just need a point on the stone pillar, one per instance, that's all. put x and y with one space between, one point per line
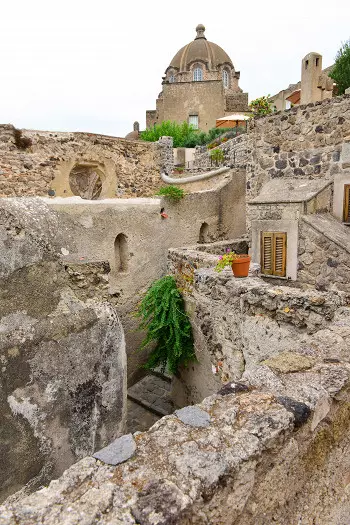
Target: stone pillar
165 145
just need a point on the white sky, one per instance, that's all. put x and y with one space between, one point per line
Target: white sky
87 65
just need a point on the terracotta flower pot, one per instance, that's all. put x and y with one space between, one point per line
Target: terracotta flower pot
240 266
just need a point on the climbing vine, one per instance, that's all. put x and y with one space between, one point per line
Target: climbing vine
163 316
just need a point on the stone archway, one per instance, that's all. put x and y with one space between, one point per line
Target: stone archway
86 180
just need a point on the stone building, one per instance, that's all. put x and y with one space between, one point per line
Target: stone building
199 86
315 85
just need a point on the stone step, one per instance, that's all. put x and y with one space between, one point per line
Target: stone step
153 393
163 375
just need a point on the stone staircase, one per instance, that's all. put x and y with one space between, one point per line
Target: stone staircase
149 400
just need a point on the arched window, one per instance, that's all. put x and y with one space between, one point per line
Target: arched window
197 74
225 78
172 79
121 253
204 233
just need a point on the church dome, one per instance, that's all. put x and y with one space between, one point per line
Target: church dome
200 49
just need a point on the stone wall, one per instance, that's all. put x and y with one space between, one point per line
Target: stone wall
95 226
305 141
236 153
63 360
240 323
324 254
181 99
33 162
166 155
236 103
273 448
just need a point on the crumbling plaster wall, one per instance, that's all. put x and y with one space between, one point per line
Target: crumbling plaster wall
94 227
63 361
130 168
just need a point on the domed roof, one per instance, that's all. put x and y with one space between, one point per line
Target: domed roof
200 49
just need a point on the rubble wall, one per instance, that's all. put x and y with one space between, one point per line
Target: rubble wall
33 162
240 323
95 226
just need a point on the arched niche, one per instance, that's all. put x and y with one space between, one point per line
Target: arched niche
204 233
121 253
86 180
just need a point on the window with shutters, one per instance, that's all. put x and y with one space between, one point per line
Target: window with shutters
346 213
273 253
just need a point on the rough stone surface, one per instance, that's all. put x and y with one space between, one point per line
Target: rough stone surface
193 416
126 168
241 323
324 253
236 153
118 451
258 462
289 362
63 361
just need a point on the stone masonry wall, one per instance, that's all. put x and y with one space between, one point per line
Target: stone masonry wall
304 141
32 162
236 153
324 254
62 352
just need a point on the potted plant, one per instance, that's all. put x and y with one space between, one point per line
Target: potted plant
239 263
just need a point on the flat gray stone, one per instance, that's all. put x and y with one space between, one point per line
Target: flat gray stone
193 416
118 451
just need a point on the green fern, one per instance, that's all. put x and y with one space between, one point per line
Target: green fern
163 316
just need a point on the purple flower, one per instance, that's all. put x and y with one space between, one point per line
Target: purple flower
220 258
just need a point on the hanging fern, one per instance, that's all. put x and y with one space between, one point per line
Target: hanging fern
163 316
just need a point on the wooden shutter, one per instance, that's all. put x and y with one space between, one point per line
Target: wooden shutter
267 253
279 246
273 253
346 214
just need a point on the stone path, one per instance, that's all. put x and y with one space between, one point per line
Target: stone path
148 401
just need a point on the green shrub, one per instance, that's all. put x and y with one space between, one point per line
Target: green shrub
163 316
171 192
184 135
217 156
261 106
341 70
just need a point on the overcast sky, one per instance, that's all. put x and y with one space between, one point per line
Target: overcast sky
87 65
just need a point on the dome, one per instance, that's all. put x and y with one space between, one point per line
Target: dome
202 50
